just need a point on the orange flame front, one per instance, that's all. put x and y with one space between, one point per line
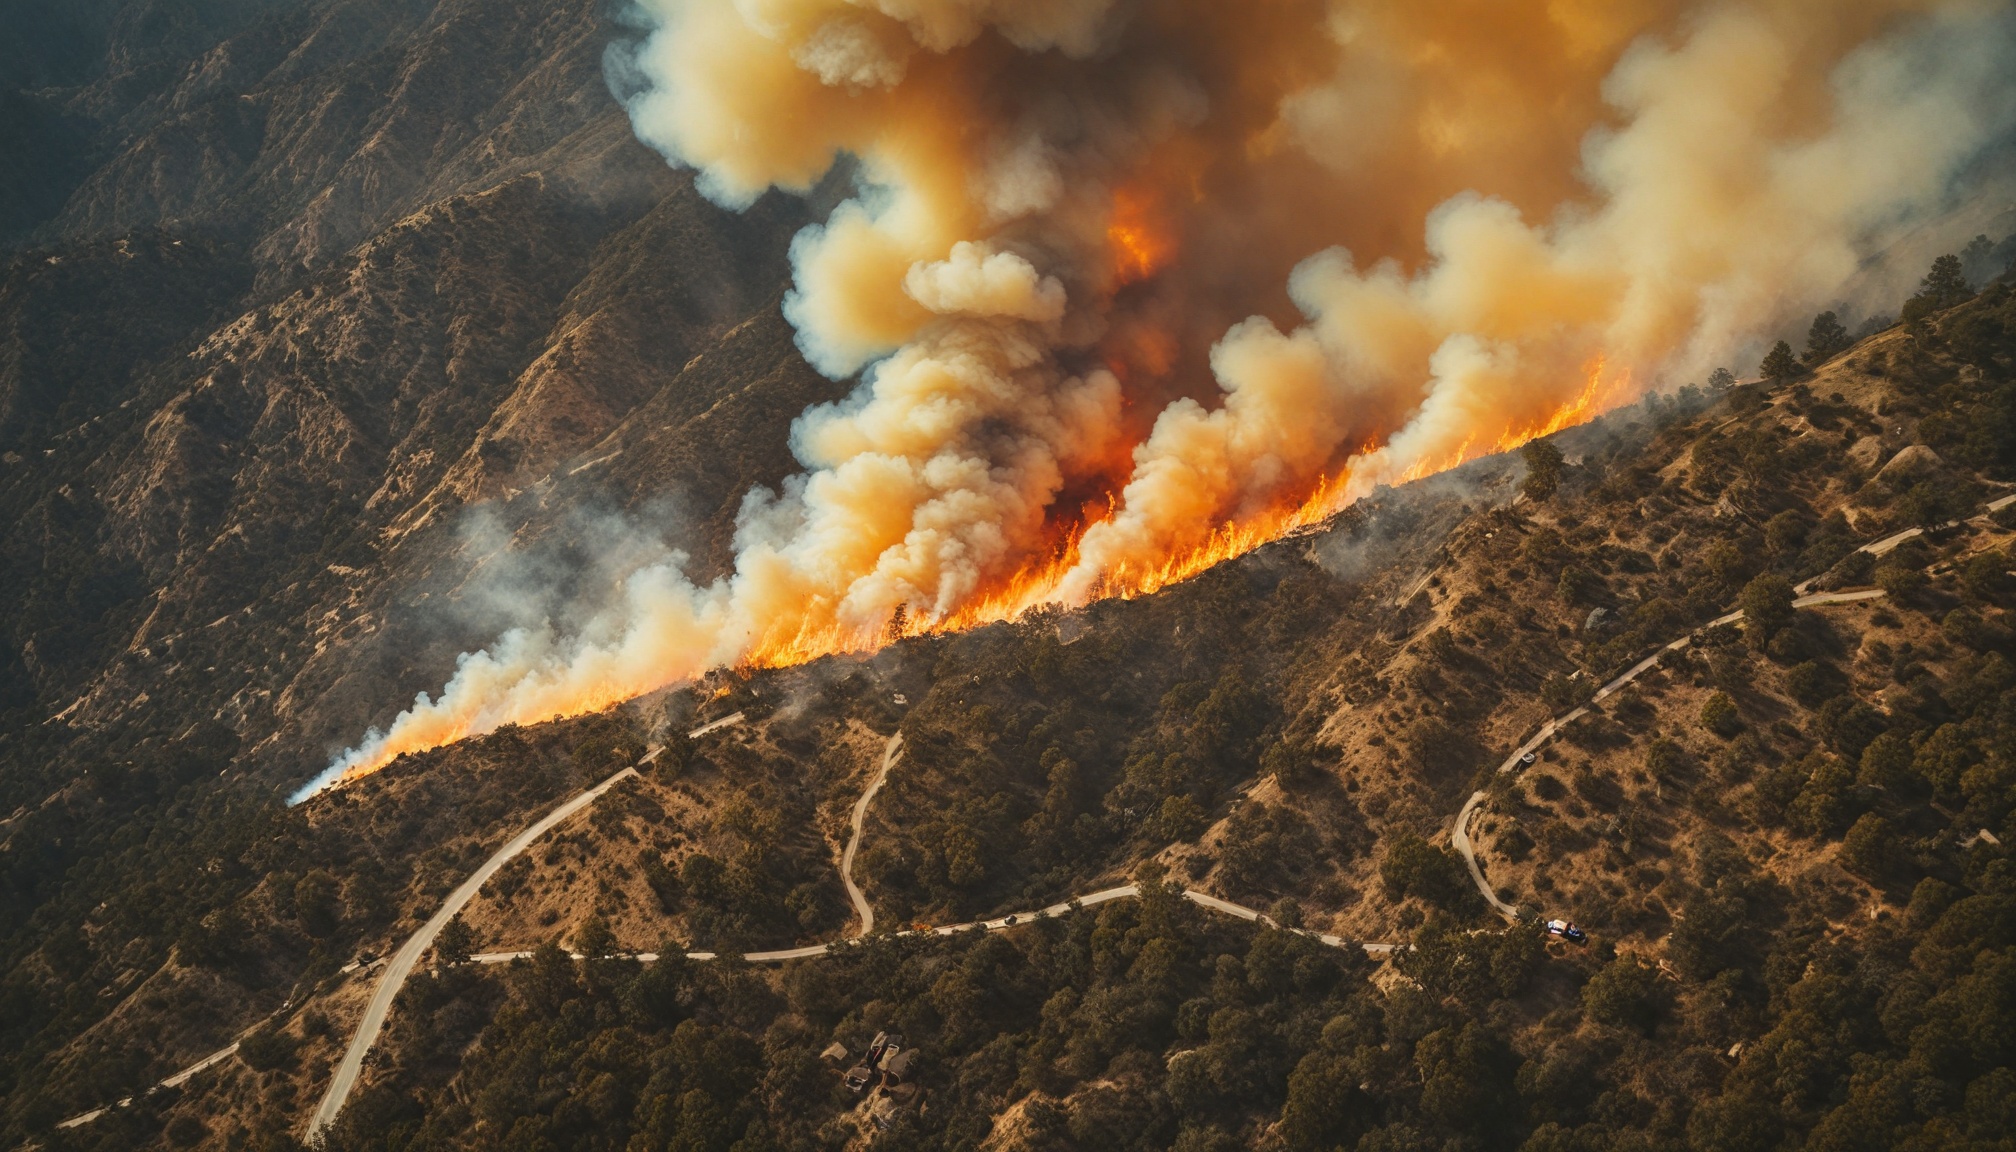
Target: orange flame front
1141 247
813 634
1036 586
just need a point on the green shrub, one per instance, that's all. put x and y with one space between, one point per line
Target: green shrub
1543 471
266 1049
1823 805
1767 608
1179 819
1986 577
1886 763
1811 683
1562 694
1870 848
1435 875
453 943
1623 994
1664 760
1719 715
1578 585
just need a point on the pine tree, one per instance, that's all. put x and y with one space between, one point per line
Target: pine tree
1780 365
453 944
1945 286
1825 340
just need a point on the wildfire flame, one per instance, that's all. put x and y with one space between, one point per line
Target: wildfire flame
813 635
1062 205
1037 586
1141 247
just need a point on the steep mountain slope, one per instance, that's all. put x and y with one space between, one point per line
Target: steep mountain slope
1293 731
330 273
322 303
1787 839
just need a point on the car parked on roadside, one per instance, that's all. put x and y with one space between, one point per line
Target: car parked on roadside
1566 931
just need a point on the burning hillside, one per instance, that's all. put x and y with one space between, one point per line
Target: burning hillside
1058 283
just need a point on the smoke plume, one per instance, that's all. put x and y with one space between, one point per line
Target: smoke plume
1061 282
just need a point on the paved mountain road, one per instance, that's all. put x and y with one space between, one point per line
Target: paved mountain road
174 1081
403 961
1889 544
999 923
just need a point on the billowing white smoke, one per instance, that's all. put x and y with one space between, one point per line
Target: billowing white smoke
1701 233
1057 196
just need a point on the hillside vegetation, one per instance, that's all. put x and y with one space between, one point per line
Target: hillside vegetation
1785 839
323 301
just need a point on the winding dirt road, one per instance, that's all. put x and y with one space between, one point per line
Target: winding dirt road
404 960
1459 835
862 910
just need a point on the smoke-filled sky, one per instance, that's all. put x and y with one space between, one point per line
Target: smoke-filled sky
1130 285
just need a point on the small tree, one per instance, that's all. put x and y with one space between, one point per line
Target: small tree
1886 763
1900 583
1719 715
1290 761
1623 994
1721 379
1414 867
1946 283
676 756
1986 577
1870 847
1543 471
1562 694
1664 759
595 940
1179 819
1286 912
1943 287
1977 261
1767 607
1826 339
1810 683
453 944
1780 365
1822 806
1786 532
1578 585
